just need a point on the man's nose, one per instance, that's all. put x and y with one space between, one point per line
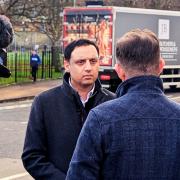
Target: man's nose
88 65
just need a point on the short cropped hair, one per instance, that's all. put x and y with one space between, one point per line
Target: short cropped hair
138 50
77 43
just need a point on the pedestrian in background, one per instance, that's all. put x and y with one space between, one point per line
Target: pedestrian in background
137 135
35 61
57 115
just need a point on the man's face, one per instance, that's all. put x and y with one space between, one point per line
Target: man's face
83 66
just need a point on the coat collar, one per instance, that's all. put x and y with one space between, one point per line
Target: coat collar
140 84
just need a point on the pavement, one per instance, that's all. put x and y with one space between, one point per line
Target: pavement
29 90
26 90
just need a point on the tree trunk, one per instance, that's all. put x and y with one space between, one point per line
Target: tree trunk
56 61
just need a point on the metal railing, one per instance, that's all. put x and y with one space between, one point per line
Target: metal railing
19 65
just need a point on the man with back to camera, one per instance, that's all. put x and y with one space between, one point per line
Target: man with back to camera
57 115
137 135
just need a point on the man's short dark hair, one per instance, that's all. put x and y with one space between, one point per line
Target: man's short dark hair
138 50
77 43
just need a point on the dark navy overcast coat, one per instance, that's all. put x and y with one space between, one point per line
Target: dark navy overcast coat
55 122
134 137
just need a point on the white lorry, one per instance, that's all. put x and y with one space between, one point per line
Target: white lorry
105 25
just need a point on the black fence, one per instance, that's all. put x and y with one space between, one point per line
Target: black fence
19 65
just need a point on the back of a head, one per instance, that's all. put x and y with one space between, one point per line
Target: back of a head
77 43
138 51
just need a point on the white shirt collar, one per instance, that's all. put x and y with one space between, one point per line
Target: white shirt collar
88 95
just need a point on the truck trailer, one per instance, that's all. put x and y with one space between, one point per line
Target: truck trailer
105 25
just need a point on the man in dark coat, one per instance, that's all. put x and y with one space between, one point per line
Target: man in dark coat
137 135
57 115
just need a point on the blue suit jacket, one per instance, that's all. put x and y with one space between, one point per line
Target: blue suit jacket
136 136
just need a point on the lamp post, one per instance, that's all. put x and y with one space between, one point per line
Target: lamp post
74 3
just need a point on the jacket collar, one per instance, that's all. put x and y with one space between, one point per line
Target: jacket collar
140 84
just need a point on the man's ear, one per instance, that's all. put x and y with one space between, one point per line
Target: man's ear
120 71
66 65
161 65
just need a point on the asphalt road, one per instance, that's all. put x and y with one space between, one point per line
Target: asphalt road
174 95
13 122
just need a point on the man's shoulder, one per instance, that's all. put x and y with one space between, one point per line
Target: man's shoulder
108 93
173 107
103 91
55 91
106 112
107 105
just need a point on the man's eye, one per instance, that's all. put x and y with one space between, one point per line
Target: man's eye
93 61
80 62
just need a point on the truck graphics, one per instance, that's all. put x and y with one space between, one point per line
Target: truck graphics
105 25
